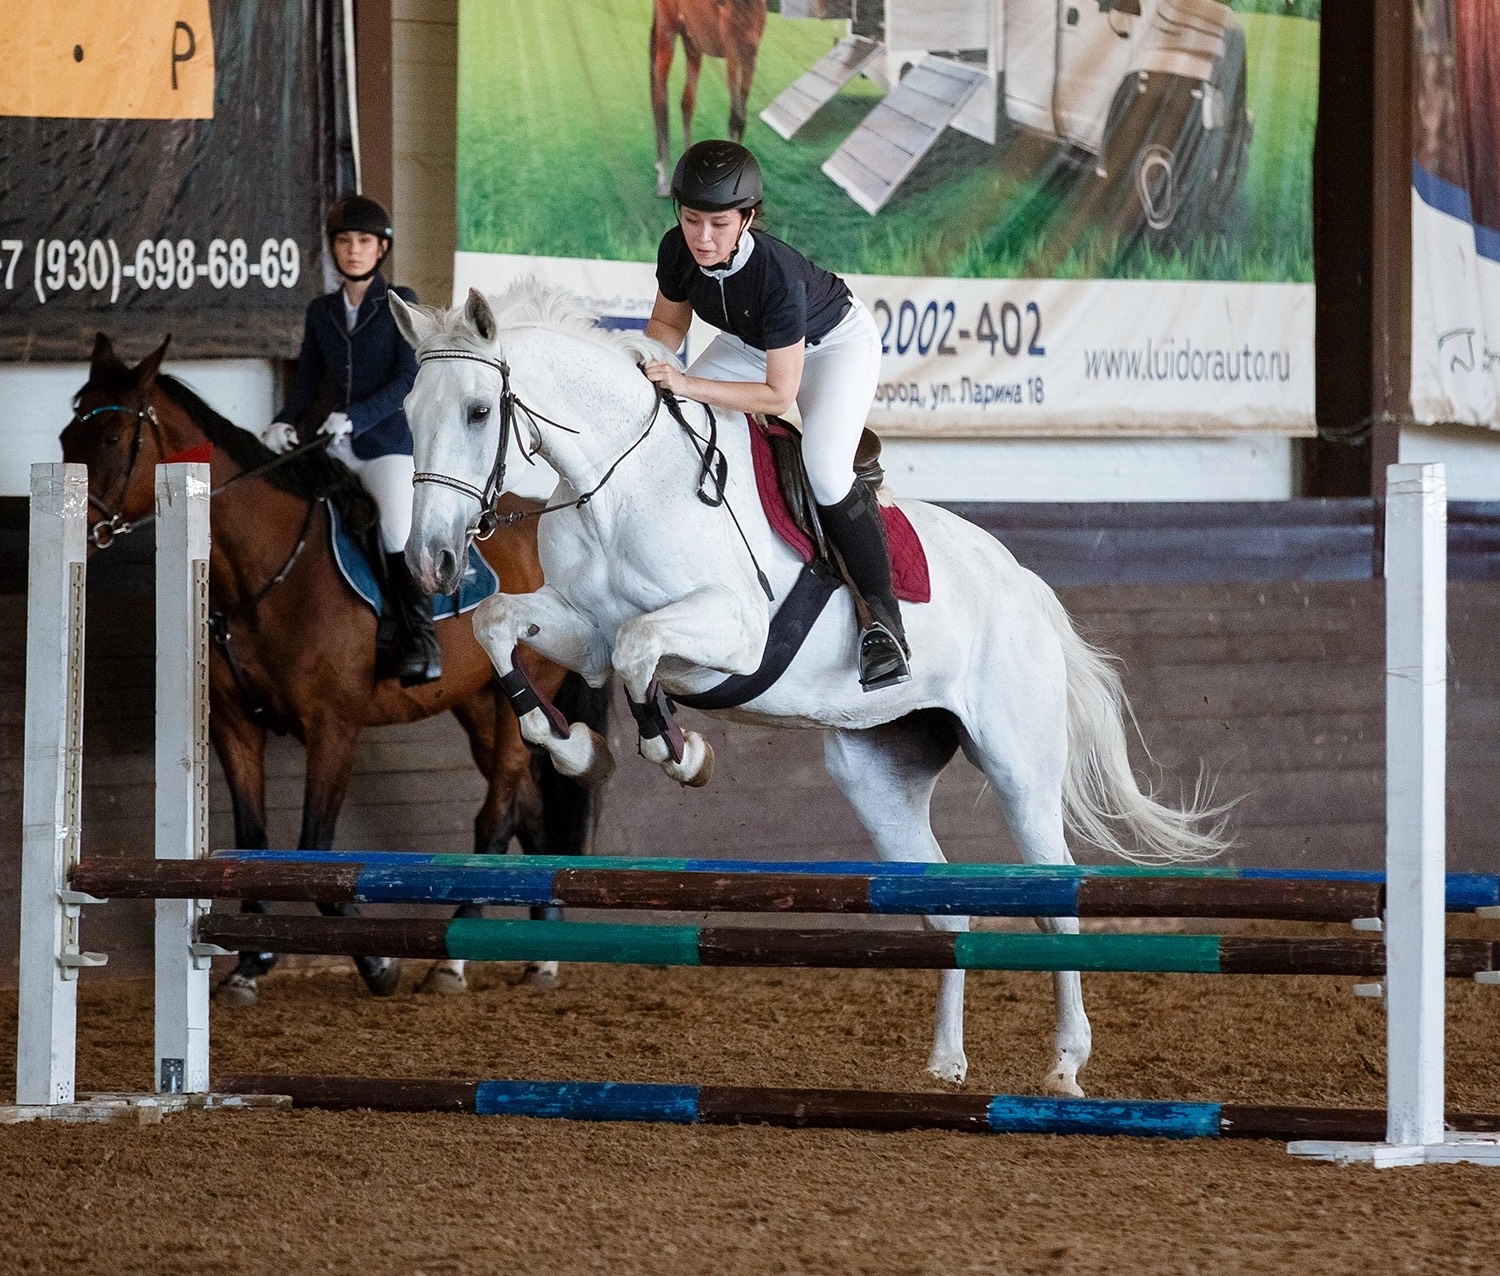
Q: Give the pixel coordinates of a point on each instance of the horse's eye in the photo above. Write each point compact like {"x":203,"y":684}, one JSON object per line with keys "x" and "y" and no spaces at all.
{"x":479,"y":413}
{"x":111,"y":439}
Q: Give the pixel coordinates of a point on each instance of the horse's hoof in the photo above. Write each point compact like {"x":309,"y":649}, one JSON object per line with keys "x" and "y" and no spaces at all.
{"x":949,"y":1069}
{"x":542,"y":977}
{"x":704,"y":774}
{"x":443,"y":981}
{"x":237,"y":990}
{"x":1061,"y":1083}
{"x":382,"y":975}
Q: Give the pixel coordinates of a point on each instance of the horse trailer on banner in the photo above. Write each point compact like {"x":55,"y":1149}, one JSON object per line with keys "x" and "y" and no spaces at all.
{"x":1152,"y":91}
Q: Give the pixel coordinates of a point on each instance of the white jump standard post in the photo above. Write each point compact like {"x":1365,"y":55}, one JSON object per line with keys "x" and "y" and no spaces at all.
{"x":50,"y":955}
{"x":1416,"y":635}
{"x":182,"y":965}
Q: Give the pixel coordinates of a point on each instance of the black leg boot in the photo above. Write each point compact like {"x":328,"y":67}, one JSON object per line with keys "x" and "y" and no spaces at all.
{"x":421,"y":657}
{"x":857,"y":532}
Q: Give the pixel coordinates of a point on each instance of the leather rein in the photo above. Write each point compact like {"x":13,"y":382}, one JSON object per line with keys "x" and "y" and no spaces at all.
{"x":713,"y":473}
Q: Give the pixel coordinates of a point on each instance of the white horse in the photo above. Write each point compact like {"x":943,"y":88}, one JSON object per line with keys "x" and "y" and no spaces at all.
{"x":647,"y":580}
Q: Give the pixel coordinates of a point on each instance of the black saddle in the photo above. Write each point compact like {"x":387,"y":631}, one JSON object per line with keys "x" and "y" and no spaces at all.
{"x":791,"y":476}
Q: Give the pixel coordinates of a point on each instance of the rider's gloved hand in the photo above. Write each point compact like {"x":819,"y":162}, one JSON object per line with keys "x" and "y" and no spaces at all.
{"x":337,"y":426}
{"x":279,"y":437}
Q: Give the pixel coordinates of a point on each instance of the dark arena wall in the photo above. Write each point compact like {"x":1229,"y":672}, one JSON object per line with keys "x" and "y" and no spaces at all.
{"x":1251,"y":639}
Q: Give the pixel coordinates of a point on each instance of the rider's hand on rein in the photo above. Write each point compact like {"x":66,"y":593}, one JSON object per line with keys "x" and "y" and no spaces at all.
{"x":279,"y":436}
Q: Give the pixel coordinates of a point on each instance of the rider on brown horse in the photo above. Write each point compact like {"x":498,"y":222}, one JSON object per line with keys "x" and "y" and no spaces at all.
{"x":356,"y":367}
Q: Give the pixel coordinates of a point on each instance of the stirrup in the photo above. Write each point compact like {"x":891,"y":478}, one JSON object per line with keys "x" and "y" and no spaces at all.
{"x":419,"y":663}
{"x":882,"y":662}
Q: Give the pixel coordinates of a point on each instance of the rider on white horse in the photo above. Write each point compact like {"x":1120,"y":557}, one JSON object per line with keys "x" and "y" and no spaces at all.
{"x":352,"y":351}
{"x":790,"y":332}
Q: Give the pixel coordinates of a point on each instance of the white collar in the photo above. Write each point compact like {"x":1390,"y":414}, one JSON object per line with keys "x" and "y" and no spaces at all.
{"x":741,"y":256}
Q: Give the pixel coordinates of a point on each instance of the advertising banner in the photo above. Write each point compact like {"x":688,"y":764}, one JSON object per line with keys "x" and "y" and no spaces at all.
{"x":1455,"y":338}
{"x":1067,"y":216}
{"x":164,"y":168}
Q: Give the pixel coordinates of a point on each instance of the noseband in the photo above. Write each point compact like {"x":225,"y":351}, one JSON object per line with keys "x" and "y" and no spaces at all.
{"x":113,"y":524}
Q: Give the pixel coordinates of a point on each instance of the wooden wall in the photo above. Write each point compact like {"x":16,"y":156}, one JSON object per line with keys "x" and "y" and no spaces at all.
{"x":424,"y":98}
{"x":1275,"y":688}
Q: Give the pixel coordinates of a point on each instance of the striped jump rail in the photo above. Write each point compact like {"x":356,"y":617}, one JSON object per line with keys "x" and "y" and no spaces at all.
{"x":832,"y":1109}
{"x":987,"y":890}
{"x":489,"y":939}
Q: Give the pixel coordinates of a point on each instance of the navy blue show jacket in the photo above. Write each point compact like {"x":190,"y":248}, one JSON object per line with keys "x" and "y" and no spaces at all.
{"x":366,"y":373}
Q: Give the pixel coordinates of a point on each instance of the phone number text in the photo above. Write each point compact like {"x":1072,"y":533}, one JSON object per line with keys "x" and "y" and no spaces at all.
{"x":97,"y":265}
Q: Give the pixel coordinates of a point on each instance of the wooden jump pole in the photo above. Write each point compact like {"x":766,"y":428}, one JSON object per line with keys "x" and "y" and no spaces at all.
{"x":491,"y":939}
{"x":996,"y":890}
{"x":828,"y":1109}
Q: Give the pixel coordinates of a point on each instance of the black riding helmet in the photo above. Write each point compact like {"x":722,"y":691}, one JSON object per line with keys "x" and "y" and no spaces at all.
{"x":714,"y":176}
{"x":359,"y":212}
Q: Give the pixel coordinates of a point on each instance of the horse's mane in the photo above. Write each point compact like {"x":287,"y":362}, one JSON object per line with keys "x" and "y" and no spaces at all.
{"x":530,"y":301}
{"x":307,"y":478}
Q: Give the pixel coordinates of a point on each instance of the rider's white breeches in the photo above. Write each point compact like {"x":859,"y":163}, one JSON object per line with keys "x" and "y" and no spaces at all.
{"x":388,"y":481}
{"x":839,"y":376}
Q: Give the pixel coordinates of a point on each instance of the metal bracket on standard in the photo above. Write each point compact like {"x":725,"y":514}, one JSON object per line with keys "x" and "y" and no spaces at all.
{"x":1488,"y":910}
{"x":72,"y":961}
{"x":203,"y":954}
{"x":1367,"y":923}
{"x":1487,"y":977}
{"x":1370,"y":990}
{"x":75,"y":900}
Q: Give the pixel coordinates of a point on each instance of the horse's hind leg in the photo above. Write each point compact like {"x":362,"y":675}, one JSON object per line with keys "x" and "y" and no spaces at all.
{"x":888,"y":774}
{"x":693,"y":59}
{"x":739,"y":70}
{"x":1027,"y":776}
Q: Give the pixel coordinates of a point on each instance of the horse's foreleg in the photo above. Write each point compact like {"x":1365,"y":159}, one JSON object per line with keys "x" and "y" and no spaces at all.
{"x":330,"y":761}
{"x":693,"y":64}
{"x":547,"y":623}
{"x":241,"y":748}
{"x":709,"y":628}
{"x":888,"y":774}
{"x":662,"y":38}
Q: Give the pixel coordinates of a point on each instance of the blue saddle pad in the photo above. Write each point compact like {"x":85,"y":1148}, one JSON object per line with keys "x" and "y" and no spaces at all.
{"x":479,"y":580}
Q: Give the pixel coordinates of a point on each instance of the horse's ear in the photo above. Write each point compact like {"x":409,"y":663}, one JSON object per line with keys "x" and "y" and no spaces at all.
{"x":481,"y":318}
{"x":147,"y":368}
{"x":104,"y":355}
{"x":415,"y":323}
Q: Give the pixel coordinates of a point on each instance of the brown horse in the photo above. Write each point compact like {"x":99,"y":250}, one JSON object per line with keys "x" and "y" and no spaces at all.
{"x":728,"y":29}
{"x":295,"y":649}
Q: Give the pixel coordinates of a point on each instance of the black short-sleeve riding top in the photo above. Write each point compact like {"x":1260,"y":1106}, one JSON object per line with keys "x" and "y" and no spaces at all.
{"x":769,"y":297}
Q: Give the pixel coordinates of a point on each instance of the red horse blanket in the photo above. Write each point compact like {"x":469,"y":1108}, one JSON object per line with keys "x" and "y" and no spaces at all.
{"x":908,"y":559}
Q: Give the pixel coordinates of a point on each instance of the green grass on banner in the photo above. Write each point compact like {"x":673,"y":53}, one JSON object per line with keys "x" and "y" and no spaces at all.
{"x":556,"y":152}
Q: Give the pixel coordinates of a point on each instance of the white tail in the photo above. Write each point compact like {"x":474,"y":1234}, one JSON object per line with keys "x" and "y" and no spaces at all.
{"x":1102,"y":800}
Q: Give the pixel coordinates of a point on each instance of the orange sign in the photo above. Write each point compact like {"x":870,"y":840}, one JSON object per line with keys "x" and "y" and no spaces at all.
{"x":103,"y":59}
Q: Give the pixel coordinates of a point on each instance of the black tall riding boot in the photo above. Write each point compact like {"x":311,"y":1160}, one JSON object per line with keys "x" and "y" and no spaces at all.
{"x":857,"y":532}
{"x":421,"y":658}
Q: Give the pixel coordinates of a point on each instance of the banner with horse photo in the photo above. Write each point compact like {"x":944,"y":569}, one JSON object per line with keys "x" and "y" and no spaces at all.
{"x":1455,"y":338}
{"x":167,"y":167}
{"x":1067,"y":216}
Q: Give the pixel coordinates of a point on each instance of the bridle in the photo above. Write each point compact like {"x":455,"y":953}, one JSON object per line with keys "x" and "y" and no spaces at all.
{"x":511,"y":405}
{"x":112,"y":523}
{"x":713,"y":474}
